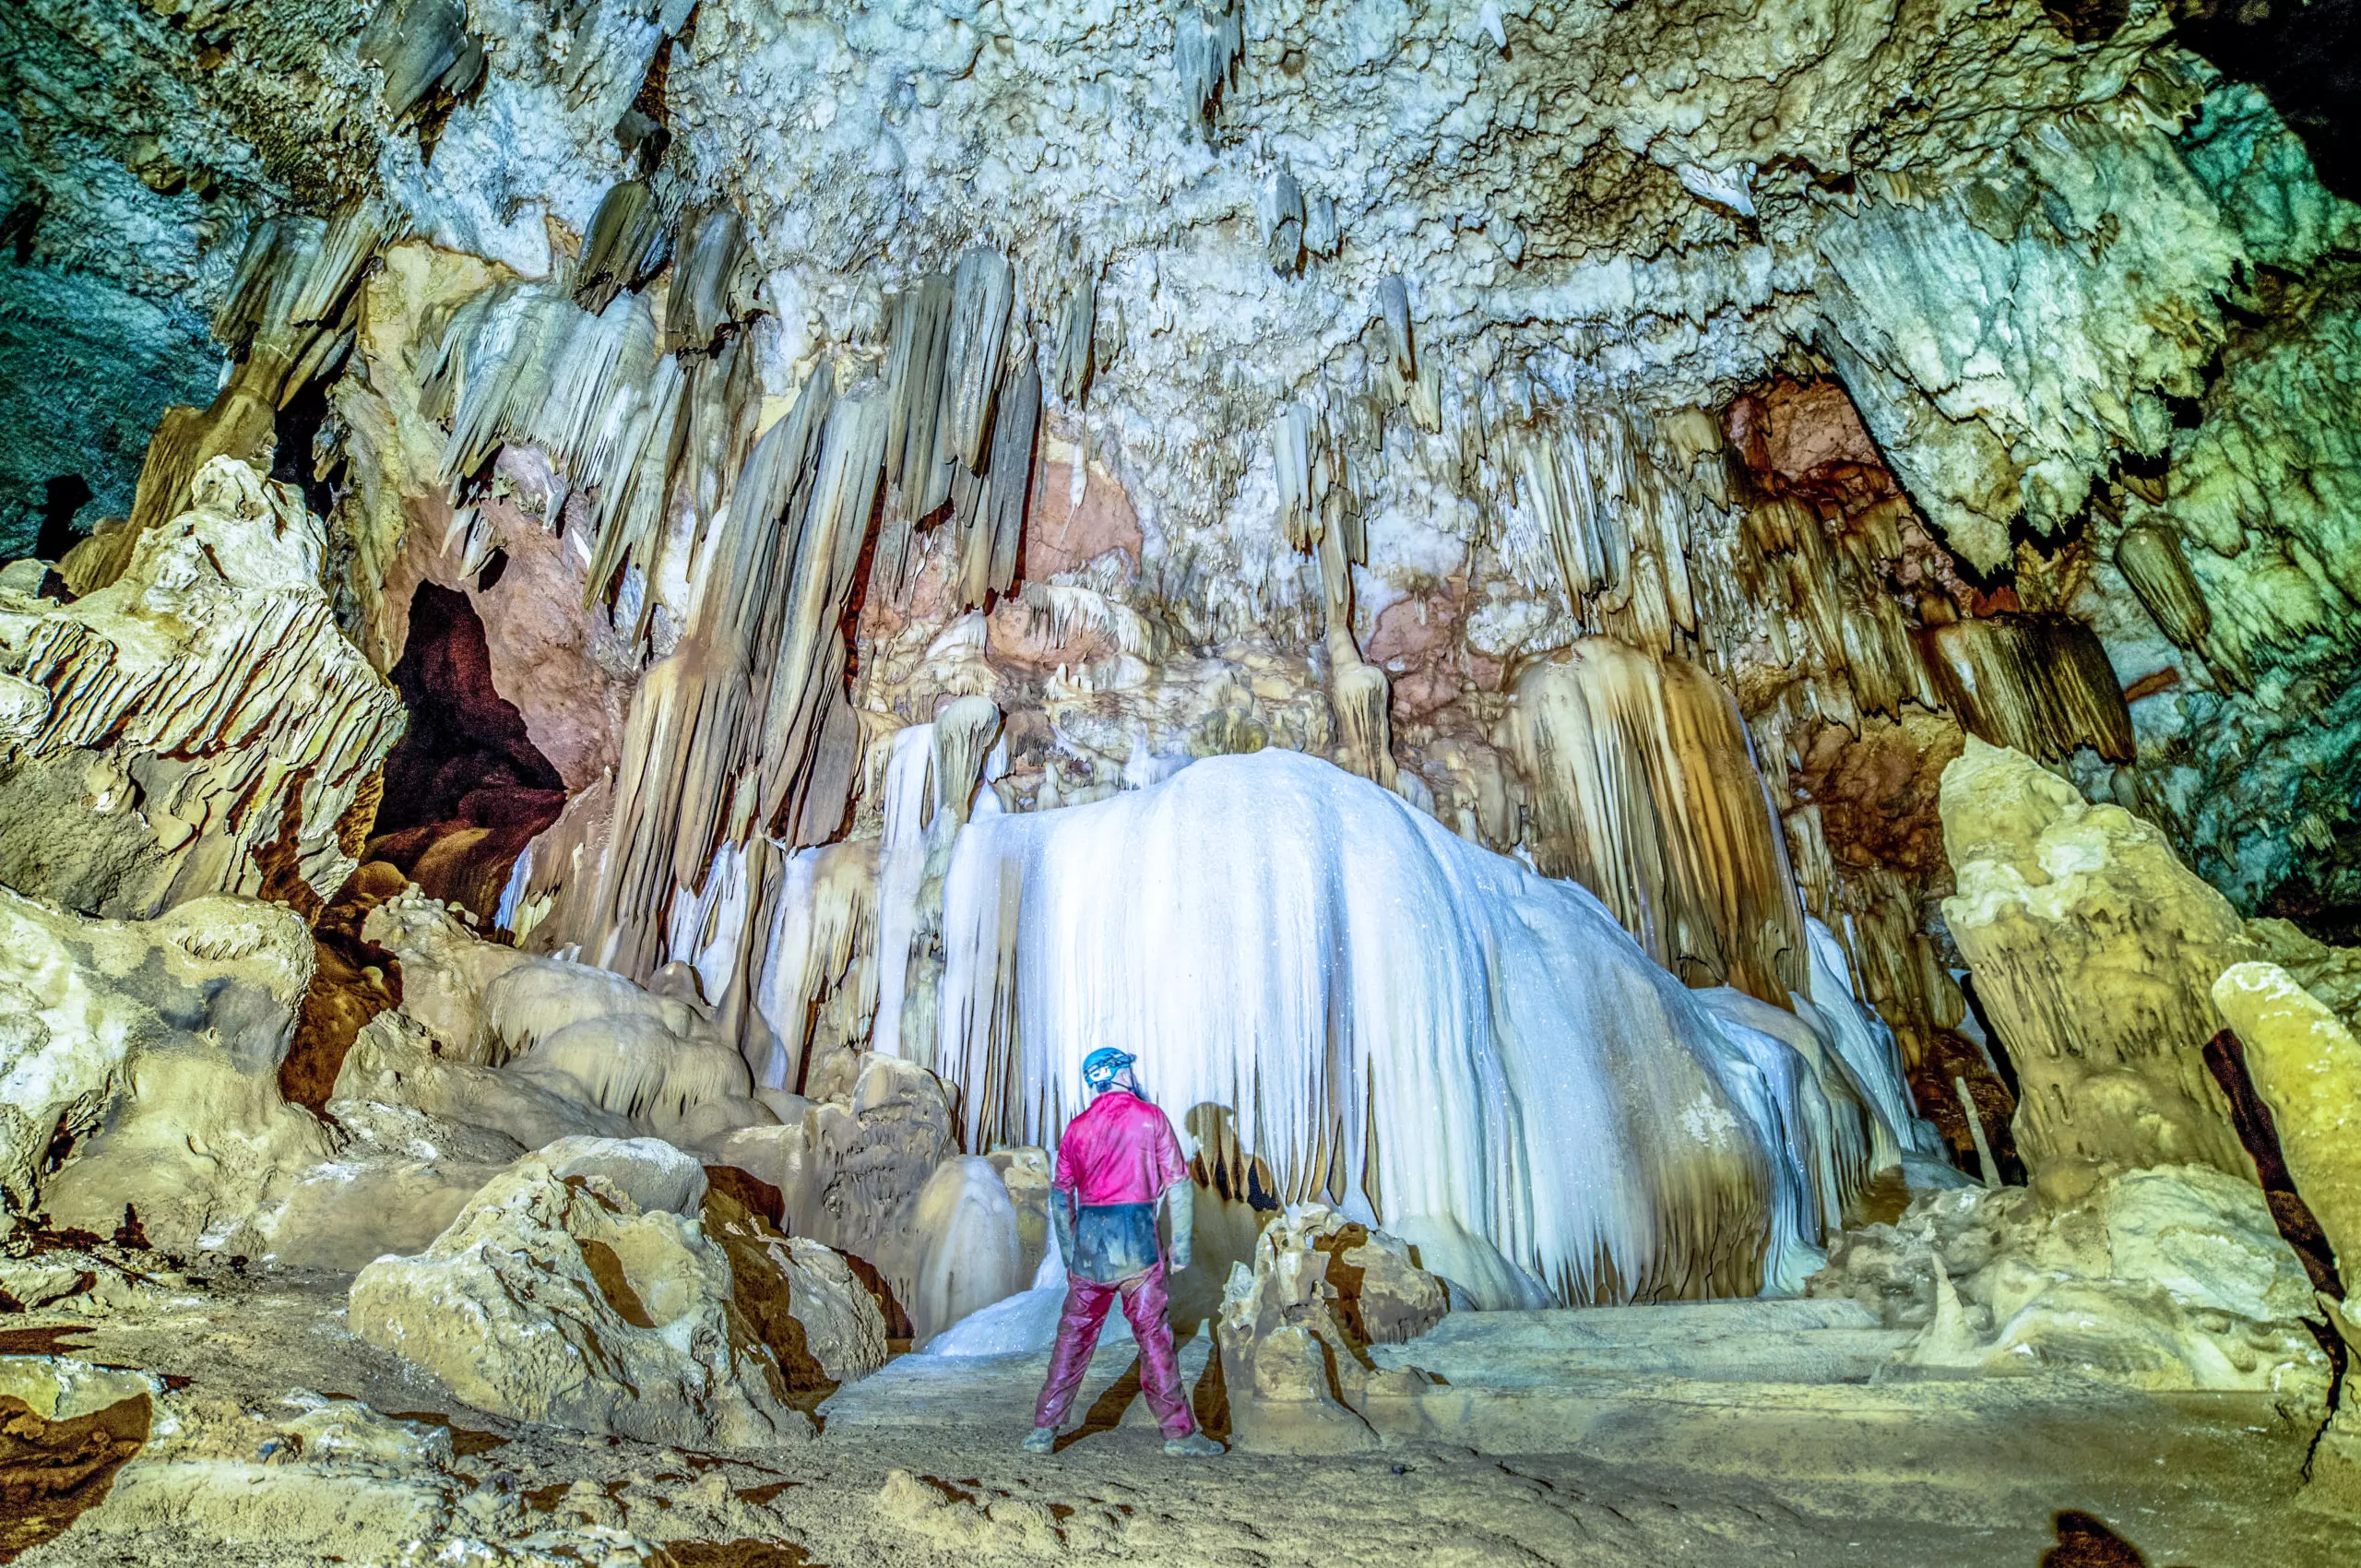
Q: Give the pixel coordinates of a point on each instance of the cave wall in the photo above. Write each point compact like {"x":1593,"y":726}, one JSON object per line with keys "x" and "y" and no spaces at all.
{"x":1907,"y":372}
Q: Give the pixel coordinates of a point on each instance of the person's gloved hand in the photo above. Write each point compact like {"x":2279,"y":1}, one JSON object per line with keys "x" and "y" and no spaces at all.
{"x":1180,"y":1204}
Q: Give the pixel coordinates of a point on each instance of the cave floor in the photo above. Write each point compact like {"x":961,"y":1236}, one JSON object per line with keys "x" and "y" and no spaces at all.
{"x":1975,"y":1481}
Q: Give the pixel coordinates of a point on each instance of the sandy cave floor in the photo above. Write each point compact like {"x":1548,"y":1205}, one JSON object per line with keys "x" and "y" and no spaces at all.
{"x":2199,"y":1490}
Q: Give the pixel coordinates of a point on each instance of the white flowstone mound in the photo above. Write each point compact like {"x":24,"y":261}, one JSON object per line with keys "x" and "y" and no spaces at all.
{"x":1404,"y":1023}
{"x":156,"y":735}
{"x":555,"y":1299}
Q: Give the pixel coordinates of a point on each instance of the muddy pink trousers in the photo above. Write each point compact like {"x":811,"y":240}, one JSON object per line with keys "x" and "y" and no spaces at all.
{"x":1078,"y":1326}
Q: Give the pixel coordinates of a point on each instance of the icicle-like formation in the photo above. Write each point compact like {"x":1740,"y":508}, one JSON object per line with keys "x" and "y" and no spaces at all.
{"x":2038,"y":683}
{"x":743,"y":734}
{"x":1074,"y":362}
{"x":1207,"y":43}
{"x":901,"y":867}
{"x":981,"y":291}
{"x":425,"y":50}
{"x":1849,"y":1139}
{"x":819,"y":976}
{"x":630,"y":238}
{"x":709,"y":284}
{"x":592,"y":393}
{"x":1644,"y":790}
{"x":1398,"y":1020}
{"x":287,"y":320}
{"x":1866,"y":1047}
{"x":965,"y":412}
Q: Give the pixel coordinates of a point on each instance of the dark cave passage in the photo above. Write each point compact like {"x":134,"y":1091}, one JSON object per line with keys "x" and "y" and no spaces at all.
{"x":2306,"y":56}
{"x":466,"y":788}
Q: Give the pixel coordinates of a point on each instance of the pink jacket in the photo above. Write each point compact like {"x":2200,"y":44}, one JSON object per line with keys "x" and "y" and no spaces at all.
{"x":1121,"y":1150}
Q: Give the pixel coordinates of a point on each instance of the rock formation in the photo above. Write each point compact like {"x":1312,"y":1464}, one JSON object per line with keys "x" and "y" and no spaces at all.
{"x":2172,"y":1277}
{"x":1296,"y":1324}
{"x":198,"y":725}
{"x":556,"y":1299}
{"x":2091,"y":945}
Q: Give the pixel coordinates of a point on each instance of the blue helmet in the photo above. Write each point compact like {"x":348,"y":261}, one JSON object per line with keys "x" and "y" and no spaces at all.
{"x":1099,"y":1069}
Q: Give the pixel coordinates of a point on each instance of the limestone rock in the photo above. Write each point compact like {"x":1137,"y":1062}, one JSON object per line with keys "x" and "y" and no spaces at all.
{"x":2166,"y":1278}
{"x":2332,"y":975}
{"x":2306,"y":1066}
{"x":199,"y":725}
{"x":153,"y":1046}
{"x":867,"y":1180}
{"x":556,"y":1300}
{"x":445,"y":968}
{"x":2093,"y":948}
{"x":803,"y":1300}
{"x":1294,"y":1331}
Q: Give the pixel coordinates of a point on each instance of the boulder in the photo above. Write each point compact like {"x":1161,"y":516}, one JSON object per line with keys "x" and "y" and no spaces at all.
{"x":802,"y":1299}
{"x":883,"y":1182}
{"x":557,"y":1299}
{"x":151,"y":1049}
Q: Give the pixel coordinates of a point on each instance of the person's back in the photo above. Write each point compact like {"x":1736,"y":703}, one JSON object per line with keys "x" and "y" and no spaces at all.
{"x":1115,"y":1162}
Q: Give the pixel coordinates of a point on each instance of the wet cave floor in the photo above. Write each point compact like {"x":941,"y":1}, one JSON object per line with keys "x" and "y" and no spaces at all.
{"x":1992,"y":1481}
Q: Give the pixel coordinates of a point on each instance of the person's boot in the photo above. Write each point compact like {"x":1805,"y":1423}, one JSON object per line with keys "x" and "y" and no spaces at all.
{"x":1043,"y":1440}
{"x":1196,"y":1445}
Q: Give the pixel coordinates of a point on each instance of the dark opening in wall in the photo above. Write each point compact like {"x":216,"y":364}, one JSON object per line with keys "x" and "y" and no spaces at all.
{"x":297,"y":432}
{"x":466,"y":788}
{"x":62,"y":499}
{"x":2306,"y":56}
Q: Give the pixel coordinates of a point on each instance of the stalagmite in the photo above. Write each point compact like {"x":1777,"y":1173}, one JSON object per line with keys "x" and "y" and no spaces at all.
{"x":1402,"y":1022}
{"x":2306,"y":1066}
{"x":2092,"y":947}
{"x":1646,"y":791}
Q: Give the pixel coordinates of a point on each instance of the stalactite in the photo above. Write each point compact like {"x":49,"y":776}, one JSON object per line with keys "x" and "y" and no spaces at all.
{"x":2150,"y":561}
{"x":983,"y":290}
{"x":916,"y":363}
{"x":1282,"y":204}
{"x":1207,"y":43}
{"x":1075,"y":365}
{"x":2039,"y":683}
{"x":818,"y":985}
{"x":630,"y":239}
{"x":285,"y":318}
{"x":1645,"y":791}
{"x":425,"y":51}
{"x":1011,"y":475}
{"x":730,"y":735}
{"x":709,"y":283}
